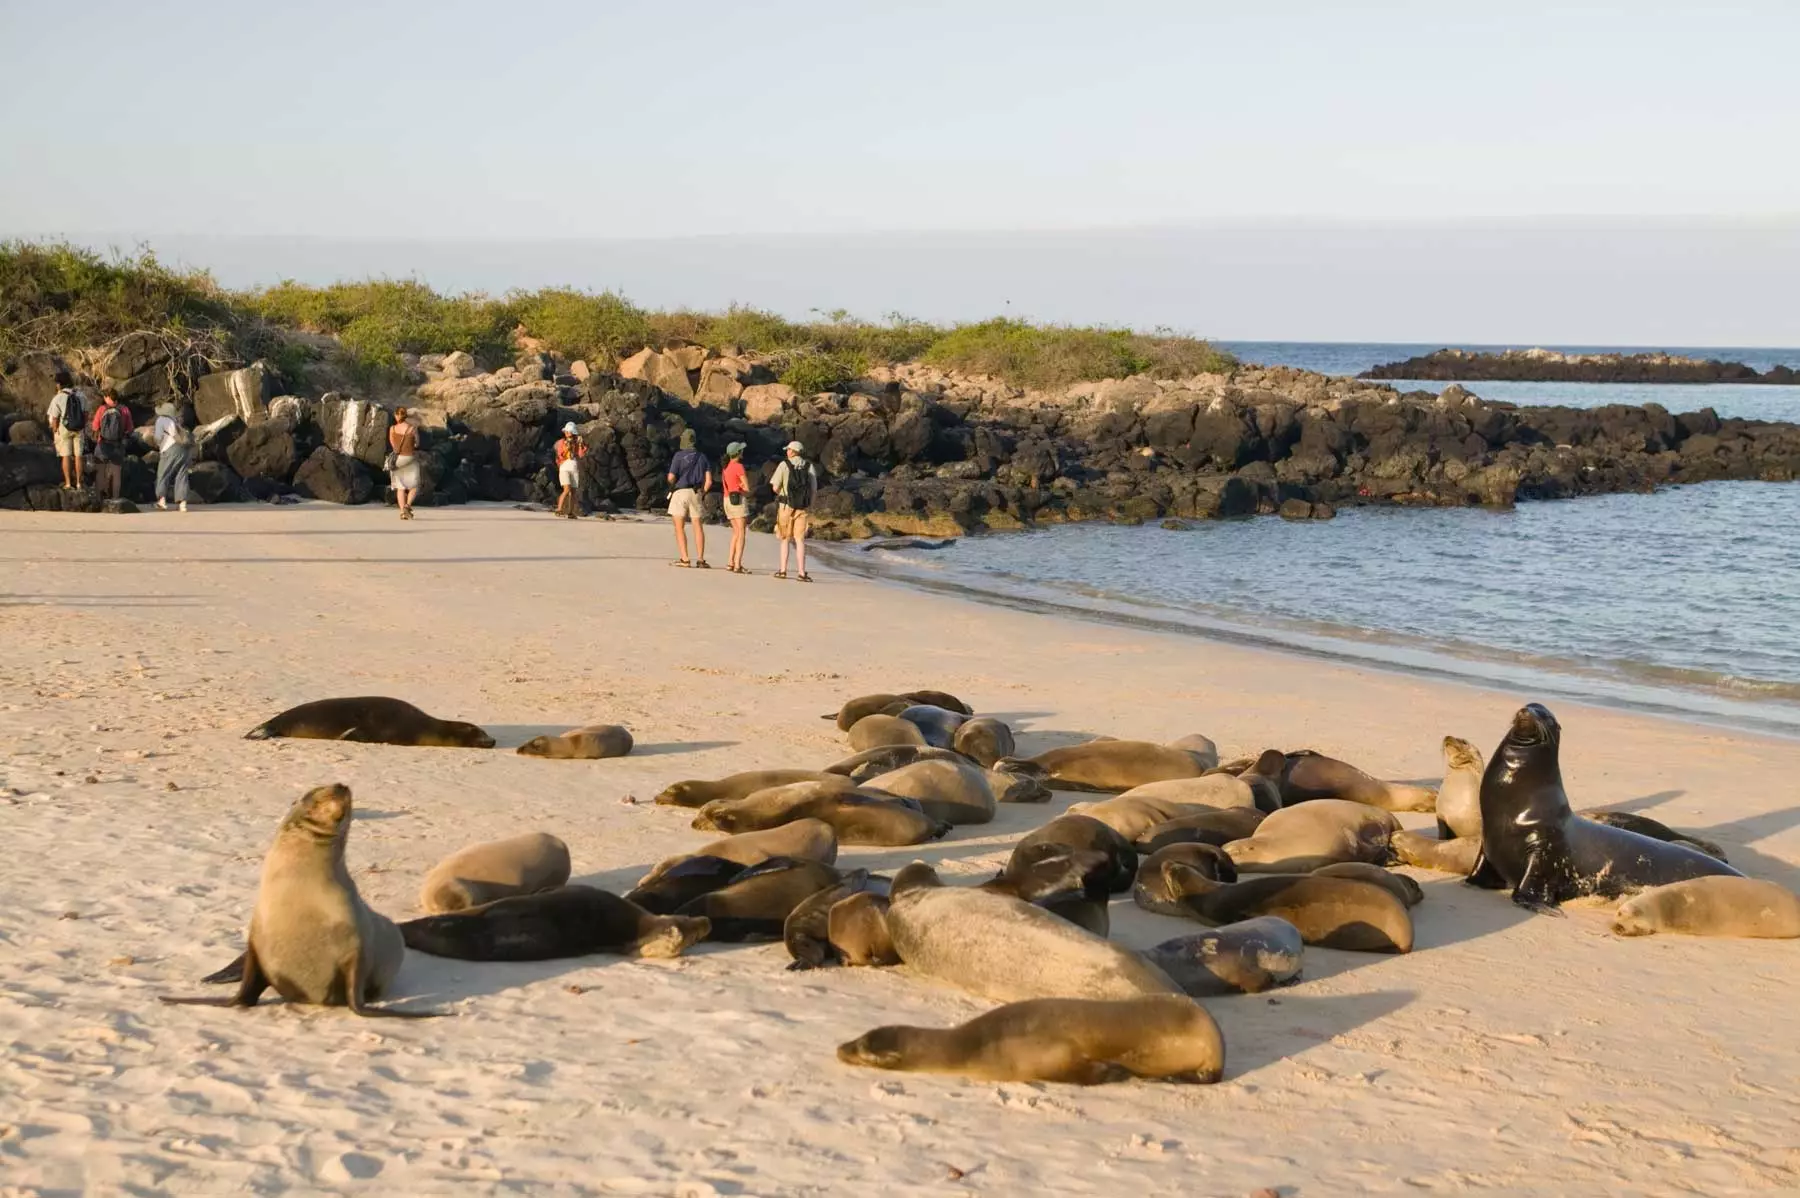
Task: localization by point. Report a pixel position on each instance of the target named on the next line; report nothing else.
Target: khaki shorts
(737, 507)
(569, 473)
(790, 523)
(685, 503)
(68, 442)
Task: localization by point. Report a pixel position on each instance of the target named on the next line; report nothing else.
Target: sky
(1454, 145)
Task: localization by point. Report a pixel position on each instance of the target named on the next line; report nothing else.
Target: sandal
(684, 563)
(803, 578)
(739, 570)
(779, 574)
(701, 565)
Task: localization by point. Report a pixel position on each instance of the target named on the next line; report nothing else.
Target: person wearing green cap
(690, 477)
(737, 503)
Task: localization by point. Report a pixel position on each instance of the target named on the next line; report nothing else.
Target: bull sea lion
(1079, 1041)
(1315, 833)
(885, 759)
(1532, 841)
(1331, 912)
(592, 743)
(1643, 825)
(1067, 832)
(1717, 906)
(855, 816)
(1307, 776)
(758, 901)
(570, 921)
(984, 740)
(698, 792)
(1202, 827)
(499, 869)
(1456, 856)
(956, 792)
(1246, 957)
(311, 935)
(683, 882)
(806, 933)
(1107, 766)
(371, 719)
(879, 731)
(1005, 949)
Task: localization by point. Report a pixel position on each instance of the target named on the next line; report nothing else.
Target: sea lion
(1202, 827)
(1246, 957)
(698, 792)
(1331, 912)
(1643, 825)
(806, 932)
(311, 935)
(1202, 747)
(1107, 766)
(592, 743)
(1079, 1041)
(1307, 776)
(1067, 832)
(1398, 885)
(863, 705)
(984, 740)
(570, 921)
(1133, 814)
(858, 931)
(1459, 796)
(1532, 841)
(498, 869)
(1075, 885)
(371, 719)
(878, 730)
(938, 725)
(857, 817)
(1005, 949)
(1317, 832)
(682, 883)
(943, 699)
(1717, 906)
(885, 759)
(812, 838)
(1151, 889)
(758, 901)
(1209, 790)
(1455, 856)
(956, 792)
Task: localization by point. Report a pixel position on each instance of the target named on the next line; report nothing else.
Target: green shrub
(576, 324)
(58, 296)
(809, 372)
(1051, 356)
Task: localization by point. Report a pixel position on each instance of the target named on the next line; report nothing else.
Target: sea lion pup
(1107, 766)
(858, 931)
(683, 882)
(592, 743)
(498, 869)
(371, 719)
(1643, 825)
(1712, 907)
(879, 731)
(1331, 912)
(1532, 842)
(1151, 889)
(1075, 885)
(1202, 827)
(311, 935)
(810, 838)
(1318, 832)
(570, 921)
(1308, 775)
(806, 933)
(956, 792)
(698, 792)
(1067, 832)
(758, 901)
(1459, 796)
(885, 759)
(1246, 957)
(1082, 1042)
(1005, 949)
(857, 817)
(1398, 885)
(984, 740)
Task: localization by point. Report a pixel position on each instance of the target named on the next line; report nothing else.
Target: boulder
(719, 385)
(119, 507)
(265, 451)
(140, 369)
(766, 401)
(457, 395)
(688, 357)
(23, 466)
(579, 371)
(26, 432)
(215, 482)
(289, 411)
(458, 365)
(661, 370)
(355, 427)
(530, 403)
(1296, 509)
(213, 441)
(31, 381)
(333, 477)
(500, 437)
(244, 393)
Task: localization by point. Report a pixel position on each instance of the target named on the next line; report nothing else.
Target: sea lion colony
(1269, 853)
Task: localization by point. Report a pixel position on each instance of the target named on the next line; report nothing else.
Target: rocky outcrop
(1546, 366)
(333, 477)
(242, 393)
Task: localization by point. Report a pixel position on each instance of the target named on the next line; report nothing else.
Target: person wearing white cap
(794, 482)
(569, 452)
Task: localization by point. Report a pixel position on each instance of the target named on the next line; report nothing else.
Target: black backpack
(799, 486)
(73, 415)
(112, 425)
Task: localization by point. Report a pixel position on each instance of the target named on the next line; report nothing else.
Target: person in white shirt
(174, 454)
(68, 421)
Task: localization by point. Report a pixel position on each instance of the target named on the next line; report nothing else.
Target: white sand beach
(1508, 1053)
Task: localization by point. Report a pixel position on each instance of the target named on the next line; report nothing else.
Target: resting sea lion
(1456, 856)
(1151, 890)
(812, 838)
(1532, 842)
(1202, 827)
(1016, 788)
(758, 901)
(1074, 885)
(956, 792)
(858, 930)
(1459, 797)
(879, 731)
(1107, 766)
(1209, 790)
(855, 709)
(807, 930)
(698, 792)
(1080, 1041)
(1398, 885)
(682, 883)
(856, 817)
(570, 921)
(1005, 949)
(1246, 957)
(944, 699)
(1308, 775)
(1067, 832)
(1331, 912)
(984, 740)
(499, 869)
(592, 743)
(1718, 906)
(885, 759)
(1315, 833)
(1643, 825)
(371, 719)
(1133, 816)
(938, 725)
(311, 936)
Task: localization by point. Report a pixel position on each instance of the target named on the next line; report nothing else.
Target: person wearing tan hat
(569, 452)
(174, 454)
(690, 477)
(737, 502)
(795, 482)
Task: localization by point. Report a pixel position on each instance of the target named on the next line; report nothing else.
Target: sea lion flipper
(208, 1000)
(1485, 874)
(1534, 891)
(253, 982)
(350, 734)
(356, 984)
(233, 972)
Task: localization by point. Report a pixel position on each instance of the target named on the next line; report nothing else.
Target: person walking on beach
(569, 452)
(403, 475)
(112, 424)
(691, 477)
(737, 503)
(174, 454)
(68, 424)
(795, 483)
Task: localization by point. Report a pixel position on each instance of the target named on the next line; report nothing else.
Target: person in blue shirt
(690, 477)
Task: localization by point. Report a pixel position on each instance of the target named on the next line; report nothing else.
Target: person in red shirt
(110, 427)
(737, 503)
(569, 452)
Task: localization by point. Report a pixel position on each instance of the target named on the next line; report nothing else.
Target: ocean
(1685, 602)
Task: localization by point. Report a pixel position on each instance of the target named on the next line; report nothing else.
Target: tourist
(112, 424)
(68, 420)
(690, 476)
(569, 452)
(174, 454)
(795, 483)
(737, 503)
(403, 473)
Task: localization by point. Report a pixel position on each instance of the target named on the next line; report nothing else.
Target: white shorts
(570, 473)
(685, 503)
(405, 476)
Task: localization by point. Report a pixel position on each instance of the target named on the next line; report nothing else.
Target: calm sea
(1684, 602)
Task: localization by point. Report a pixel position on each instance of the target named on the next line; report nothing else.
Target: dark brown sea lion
(371, 719)
(570, 921)
(1079, 832)
(757, 902)
(1307, 775)
(1075, 884)
(683, 882)
(1246, 957)
(984, 740)
(807, 930)
(1643, 825)
(1202, 827)
(1332, 912)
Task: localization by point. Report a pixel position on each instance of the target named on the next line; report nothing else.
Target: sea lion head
(1528, 755)
(539, 746)
(322, 813)
(1534, 725)
(917, 876)
(1021, 788)
(1084, 871)
(883, 1048)
(1459, 754)
(460, 734)
(1270, 763)
(716, 816)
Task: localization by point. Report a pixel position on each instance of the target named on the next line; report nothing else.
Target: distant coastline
(1553, 366)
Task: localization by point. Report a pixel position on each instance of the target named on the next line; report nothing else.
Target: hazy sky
(619, 121)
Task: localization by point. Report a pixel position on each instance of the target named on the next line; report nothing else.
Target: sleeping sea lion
(371, 719)
(1643, 825)
(811, 838)
(806, 932)
(1075, 885)
(1208, 790)
(858, 931)
(699, 792)
(1307, 775)
(956, 792)
(938, 725)
(1150, 888)
(498, 869)
(1219, 827)
(1331, 912)
(857, 817)
(1132, 815)
(1717, 906)
(1246, 957)
(1107, 766)
(683, 882)
(1079, 832)
(1398, 885)
(885, 759)
(570, 921)
(855, 709)
(1315, 833)
(592, 743)
(984, 740)
(757, 902)
(879, 731)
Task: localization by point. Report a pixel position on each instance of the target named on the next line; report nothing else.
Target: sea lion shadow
(362, 813)
(1012, 719)
(665, 748)
(1265, 1029)
(1734, 836)
(620, 881)
(1641, 803)
(427, 979)
(1037, 741)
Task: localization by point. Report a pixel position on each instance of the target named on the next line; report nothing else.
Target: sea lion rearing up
(1108, 766)
(1079, 1041)
(1532, 841)
(312, 937)
(498, 869)
(371, 719)
(592, 743)
(570, 921)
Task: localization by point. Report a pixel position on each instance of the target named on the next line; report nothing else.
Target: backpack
(799, 486)
(73, 417)
(112, 425)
